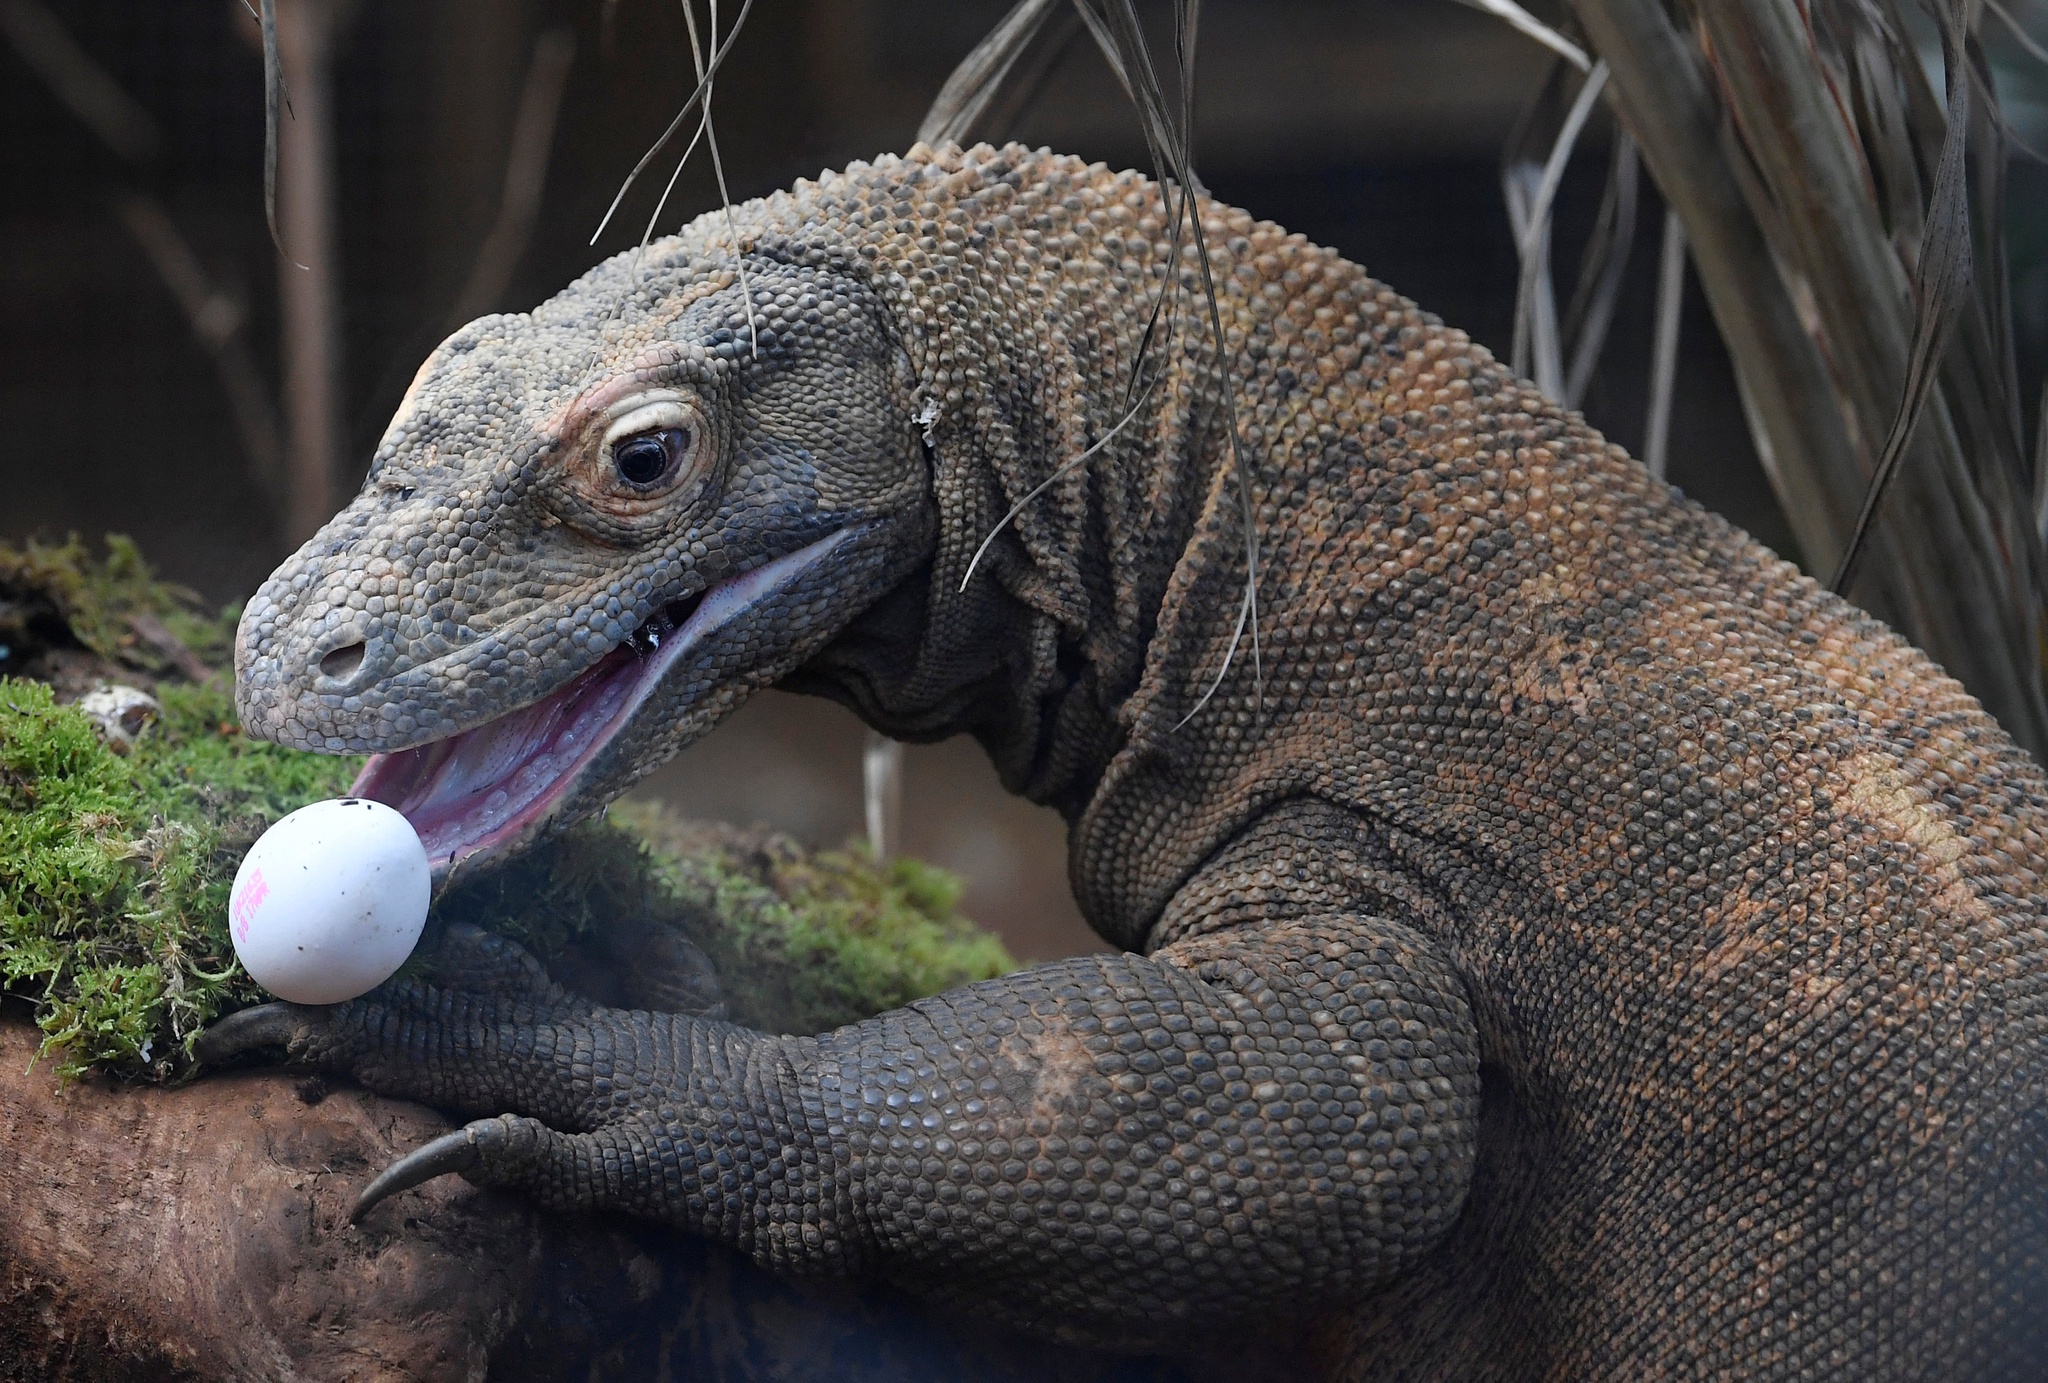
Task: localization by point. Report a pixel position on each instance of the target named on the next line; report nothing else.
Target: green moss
(808, 942)
(801, 942)
(115, 871)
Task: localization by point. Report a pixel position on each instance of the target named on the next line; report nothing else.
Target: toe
(476, 962)
(612, 1168)
(261, 1028)
(451, 1152)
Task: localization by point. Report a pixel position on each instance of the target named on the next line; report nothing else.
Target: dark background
(1374, 126)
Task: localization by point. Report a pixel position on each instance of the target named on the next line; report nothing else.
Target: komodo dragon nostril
(342, 662)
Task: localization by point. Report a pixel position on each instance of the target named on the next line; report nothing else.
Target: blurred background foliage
(165, 374)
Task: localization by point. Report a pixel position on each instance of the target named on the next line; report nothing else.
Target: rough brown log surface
(202, 1233)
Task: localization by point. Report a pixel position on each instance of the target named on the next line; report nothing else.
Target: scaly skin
(1594, 952)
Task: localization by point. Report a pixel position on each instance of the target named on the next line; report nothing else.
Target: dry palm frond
(710, 133)
(982, 73)
(705, 64)
(1602, 269)
(1876, 198)
(2041, 467)
(708, 74)
(1664, 354)
(273, 99)
(1531, 188)
(2021, 36)
(1518, 18)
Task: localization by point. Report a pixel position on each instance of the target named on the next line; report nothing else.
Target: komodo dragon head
(593, 530)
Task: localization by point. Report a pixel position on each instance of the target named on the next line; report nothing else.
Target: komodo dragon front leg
(1250, 1124)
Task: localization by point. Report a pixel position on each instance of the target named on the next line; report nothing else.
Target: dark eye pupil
(644, 460)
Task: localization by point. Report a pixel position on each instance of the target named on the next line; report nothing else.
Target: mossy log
(201, 1233)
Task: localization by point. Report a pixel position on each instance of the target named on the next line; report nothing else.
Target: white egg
(330, 901)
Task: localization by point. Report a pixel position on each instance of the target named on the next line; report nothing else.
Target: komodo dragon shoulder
(1574, 946)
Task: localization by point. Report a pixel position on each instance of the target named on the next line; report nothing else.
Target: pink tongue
(479, 789)
(458, 791)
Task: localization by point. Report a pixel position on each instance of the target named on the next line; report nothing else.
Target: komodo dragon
(1579, 947)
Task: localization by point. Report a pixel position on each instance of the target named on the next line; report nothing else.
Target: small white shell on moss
(119, 713)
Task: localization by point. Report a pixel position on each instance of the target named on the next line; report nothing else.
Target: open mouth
(492, 784)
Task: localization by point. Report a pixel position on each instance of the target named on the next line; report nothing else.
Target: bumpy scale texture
(1582, 948)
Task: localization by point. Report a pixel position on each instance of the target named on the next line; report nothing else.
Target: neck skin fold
(1041, 653)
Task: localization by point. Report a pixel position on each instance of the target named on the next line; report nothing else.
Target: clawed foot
(491, 1032)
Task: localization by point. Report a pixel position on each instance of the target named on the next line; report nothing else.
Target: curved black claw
(451, 1152)
(250, 1030)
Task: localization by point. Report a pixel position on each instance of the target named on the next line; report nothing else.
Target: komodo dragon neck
(1063, 376)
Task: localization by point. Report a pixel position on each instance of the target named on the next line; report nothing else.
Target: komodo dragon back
(1579, 946)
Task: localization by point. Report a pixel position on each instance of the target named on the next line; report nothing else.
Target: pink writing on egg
(247, 900)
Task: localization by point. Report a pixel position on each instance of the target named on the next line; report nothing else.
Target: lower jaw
(490, 788)
(486, 789)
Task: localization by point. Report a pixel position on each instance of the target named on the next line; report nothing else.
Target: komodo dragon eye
(648, 458)
(650, 446)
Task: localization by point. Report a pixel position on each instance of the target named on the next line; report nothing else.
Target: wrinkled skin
(1587, 950)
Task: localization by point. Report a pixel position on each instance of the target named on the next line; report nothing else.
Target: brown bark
(202, 1233)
